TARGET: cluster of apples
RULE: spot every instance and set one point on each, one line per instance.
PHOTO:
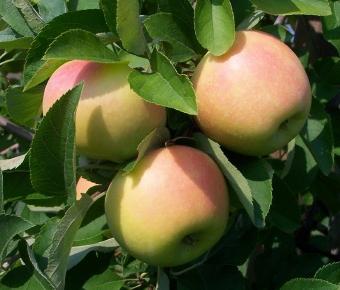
(174, 205)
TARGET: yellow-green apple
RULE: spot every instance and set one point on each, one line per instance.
(171, 208)
(111, 119)
(255, 98)
(83, 185)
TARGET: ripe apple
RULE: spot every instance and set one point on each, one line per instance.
(255, 98)
(171, 209)
(83, 185)
(111, 119)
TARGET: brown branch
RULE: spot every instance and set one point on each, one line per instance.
(15, 129)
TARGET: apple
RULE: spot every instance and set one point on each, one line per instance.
(171, 208)
(83, 185)
(255, 98)
(111, 119)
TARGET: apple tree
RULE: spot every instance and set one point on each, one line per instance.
(219, 113)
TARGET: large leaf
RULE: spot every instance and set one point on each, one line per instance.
(1, 194)
(52, 159)
(163, 27)
(66, 47)
(11, 226)
(330, 273)
(129, 26)
(309, 284)
(109, 8)
(251, 181)
(24, 107)
(37, 70)
(164, 86)
(214, 25)
(287, 7)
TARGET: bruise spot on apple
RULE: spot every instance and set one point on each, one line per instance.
(190, 240)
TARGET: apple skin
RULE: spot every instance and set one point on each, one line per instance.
(255, 98)
(171, 209)
(83, 185)
(111, 119)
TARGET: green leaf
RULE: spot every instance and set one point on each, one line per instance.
(330, 273)
(309, 284)
(109, 8)
(251, 21)
(285, 211)
(163, 27)
(164, 86)
(9, 40)
(289, 7)
(63, 238)
(11, 226)
(50, 9)
(21, 278)
(52, 160)
(317, 135)
(82, 4)
(152, 141)
(78, 253)
(331, 25)
(129, 26)
(108, 280)
(24, 107)
(214, 25)
(252, 183)
(32, 18)
(11, 15)
(37, 70)
(66, 47)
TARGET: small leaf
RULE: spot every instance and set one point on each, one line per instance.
(330, 273)
(163, 27)
(108, 280)
(317, 135)
(37, 70)
(78, 253)
(288, 7)
(251, 21)
(63, 238)
(13, 163)
(309, 284)
(24, 107)
(153, 140)
(163, 282)
(164, 86)
(52, 159)
(11, 226)
(9, 40)
(109, 8)
(32, 18)
(129, 26)
(214, 25)
(331, 25)
(11, 15)
(66, 47)
(50, 9)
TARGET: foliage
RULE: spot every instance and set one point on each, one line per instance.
(284, 229)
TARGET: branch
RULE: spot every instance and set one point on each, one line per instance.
(15, 129)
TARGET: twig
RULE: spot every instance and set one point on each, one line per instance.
(15, 129)
(279, 20)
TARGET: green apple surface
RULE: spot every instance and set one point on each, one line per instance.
(111, 119)
(255, 98)
(171, 209)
